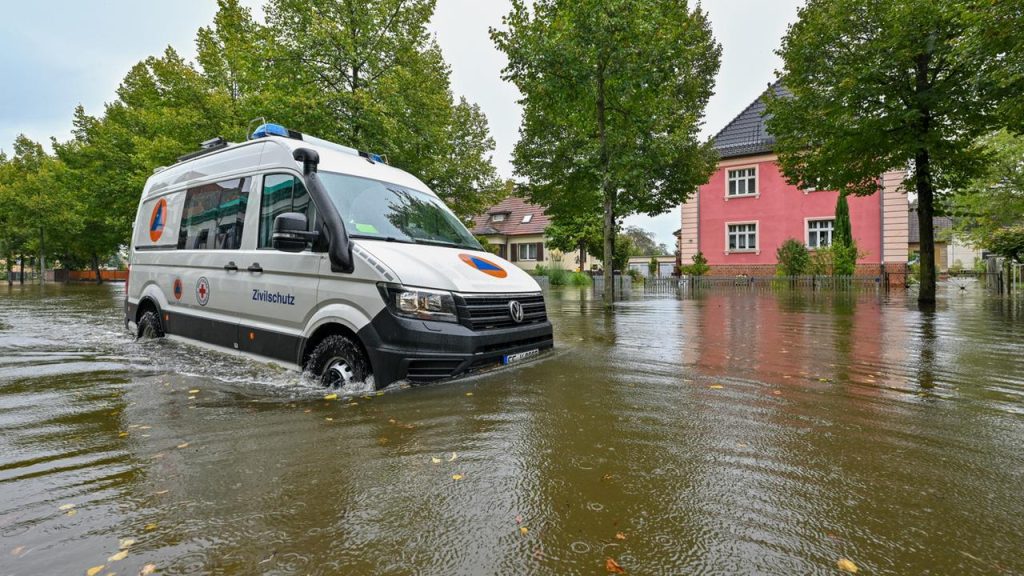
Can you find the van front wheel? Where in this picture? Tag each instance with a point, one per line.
(150, 326)
(338, 361)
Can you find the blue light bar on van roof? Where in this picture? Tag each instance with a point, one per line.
(270, 130)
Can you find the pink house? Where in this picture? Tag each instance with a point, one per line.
(747, 209)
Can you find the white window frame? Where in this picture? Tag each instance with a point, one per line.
(527, 245)
(757, 185)
(807, 230)
(527, 218)
(757, 238)
(499, 217)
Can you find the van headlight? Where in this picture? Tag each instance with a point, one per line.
(419, 303)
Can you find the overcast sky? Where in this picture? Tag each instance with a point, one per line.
(55, 55)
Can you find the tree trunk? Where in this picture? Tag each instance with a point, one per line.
(608, 193)
(96, 268)
(42, 257)
(925, 213)
(10, 269)
(21, 260)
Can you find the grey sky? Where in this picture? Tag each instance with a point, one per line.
(55, 55)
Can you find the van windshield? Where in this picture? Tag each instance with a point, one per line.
(380, 210)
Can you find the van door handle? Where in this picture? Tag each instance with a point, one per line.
(255, 267)
(231, 267)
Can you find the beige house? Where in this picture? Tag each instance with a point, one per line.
(517, 227)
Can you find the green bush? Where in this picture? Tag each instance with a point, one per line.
(957, 266)
(793, 258)
(980, 266)
(698, 268)
(539, 270)
(579, 279)
(557, 276)
(635, 275)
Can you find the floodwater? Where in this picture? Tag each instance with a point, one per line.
(730, 433)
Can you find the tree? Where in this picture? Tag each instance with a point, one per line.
(614, 93)
(878, 85)
(995, 199)
(844, 247)
(793, 258)
(574, 231)
(1009, 242)
(644, 242)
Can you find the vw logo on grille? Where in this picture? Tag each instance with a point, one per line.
(516, 310)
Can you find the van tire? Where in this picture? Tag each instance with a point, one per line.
(337, 360)
(150, 326)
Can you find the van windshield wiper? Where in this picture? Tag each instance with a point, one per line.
(384, 238)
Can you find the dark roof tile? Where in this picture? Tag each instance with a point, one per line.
(515, 209)
(748, 134)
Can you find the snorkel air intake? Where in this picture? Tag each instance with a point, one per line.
(339, 248)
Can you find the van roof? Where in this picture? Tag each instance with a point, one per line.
(269, 153)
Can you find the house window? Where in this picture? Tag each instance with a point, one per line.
(527, 218)
(527, 251)
(819, 233)
(742, 237)
(497, 217)
(742, 182)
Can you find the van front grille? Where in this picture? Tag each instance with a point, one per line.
(490, 311)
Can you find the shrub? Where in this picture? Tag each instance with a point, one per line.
(698, 268)
(793, 258)
(635, 275)
(980, 266)
(957, 266)
(539, 270)
(557, 276)
(652, 267)
(844, 258)
(579, 279)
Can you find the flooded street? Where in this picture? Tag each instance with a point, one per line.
(730, 433)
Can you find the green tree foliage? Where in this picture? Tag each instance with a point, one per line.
(613, 96)
(1008, 242)
(644, 242)
(367, 75)
(882, 84)
(793, 258)
(624, 250)
(580, 231)
(844, 247)
(995, 199)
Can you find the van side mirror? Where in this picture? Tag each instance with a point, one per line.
(291, 232)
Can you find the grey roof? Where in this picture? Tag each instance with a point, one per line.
(939, 223)
(747, 134)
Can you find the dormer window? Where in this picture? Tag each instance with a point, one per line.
(527, 218)
(498, 217)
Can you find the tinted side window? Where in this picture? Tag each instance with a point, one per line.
(282, 193)
(213, 215)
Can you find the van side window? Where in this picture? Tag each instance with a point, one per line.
(213, 215)
(282, 193)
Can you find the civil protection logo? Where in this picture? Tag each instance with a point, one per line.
(203, 291)
(158, 220)
(484, 265)
(178, 289)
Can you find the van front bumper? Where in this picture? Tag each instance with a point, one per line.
(425, 351)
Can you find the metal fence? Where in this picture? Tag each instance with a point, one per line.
(783, 283)
(621, 284)
(1016, 279)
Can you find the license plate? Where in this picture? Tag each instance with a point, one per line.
(510, 358)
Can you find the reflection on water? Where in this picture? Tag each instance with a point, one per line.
(729, 433)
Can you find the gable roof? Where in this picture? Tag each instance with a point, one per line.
(747, 134)
(939, 223)
(516, 209)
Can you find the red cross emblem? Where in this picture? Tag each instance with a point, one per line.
(203, 291)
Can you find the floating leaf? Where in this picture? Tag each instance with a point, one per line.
(620, 536)
(125, 543)
(71, 512)
(147, 570)
(453, 457)
(331, 397)
(118, 557)
(67, 506)
(469, 393)
(161, 492)
(329, 419)
(94, 570)
(191, 397)
(18, 551)
(149, 527)
(847, 565)
(524, 530)
(353, 404)
(122, 435)
(456, 476)
(519, 519)
(435, 460)
(716, 386)
(194, 391)
(183, 445)
(612, 566)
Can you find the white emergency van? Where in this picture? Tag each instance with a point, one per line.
(323, 257)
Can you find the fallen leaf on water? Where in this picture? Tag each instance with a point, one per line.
(122, 434)
(191, 397)
(71, 512)
(194, 391)
(18, 551)
(823, 380)
(147, 570)
(523, 530)
(94, 570)
(435, 460)
(519, 519)
(329, 419)
(620, 536)
(612, 566)
(183, 445)
(453, 457)
(307, 411)
(469, 393)
(777, 392)
(353, 404)
(67, 506)
(331, 397)
(716, 386)
(391, 420)
(125, 543)
(161, 492)
(847, 565)
(456, 476)
(149, 527)
(119, 556)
